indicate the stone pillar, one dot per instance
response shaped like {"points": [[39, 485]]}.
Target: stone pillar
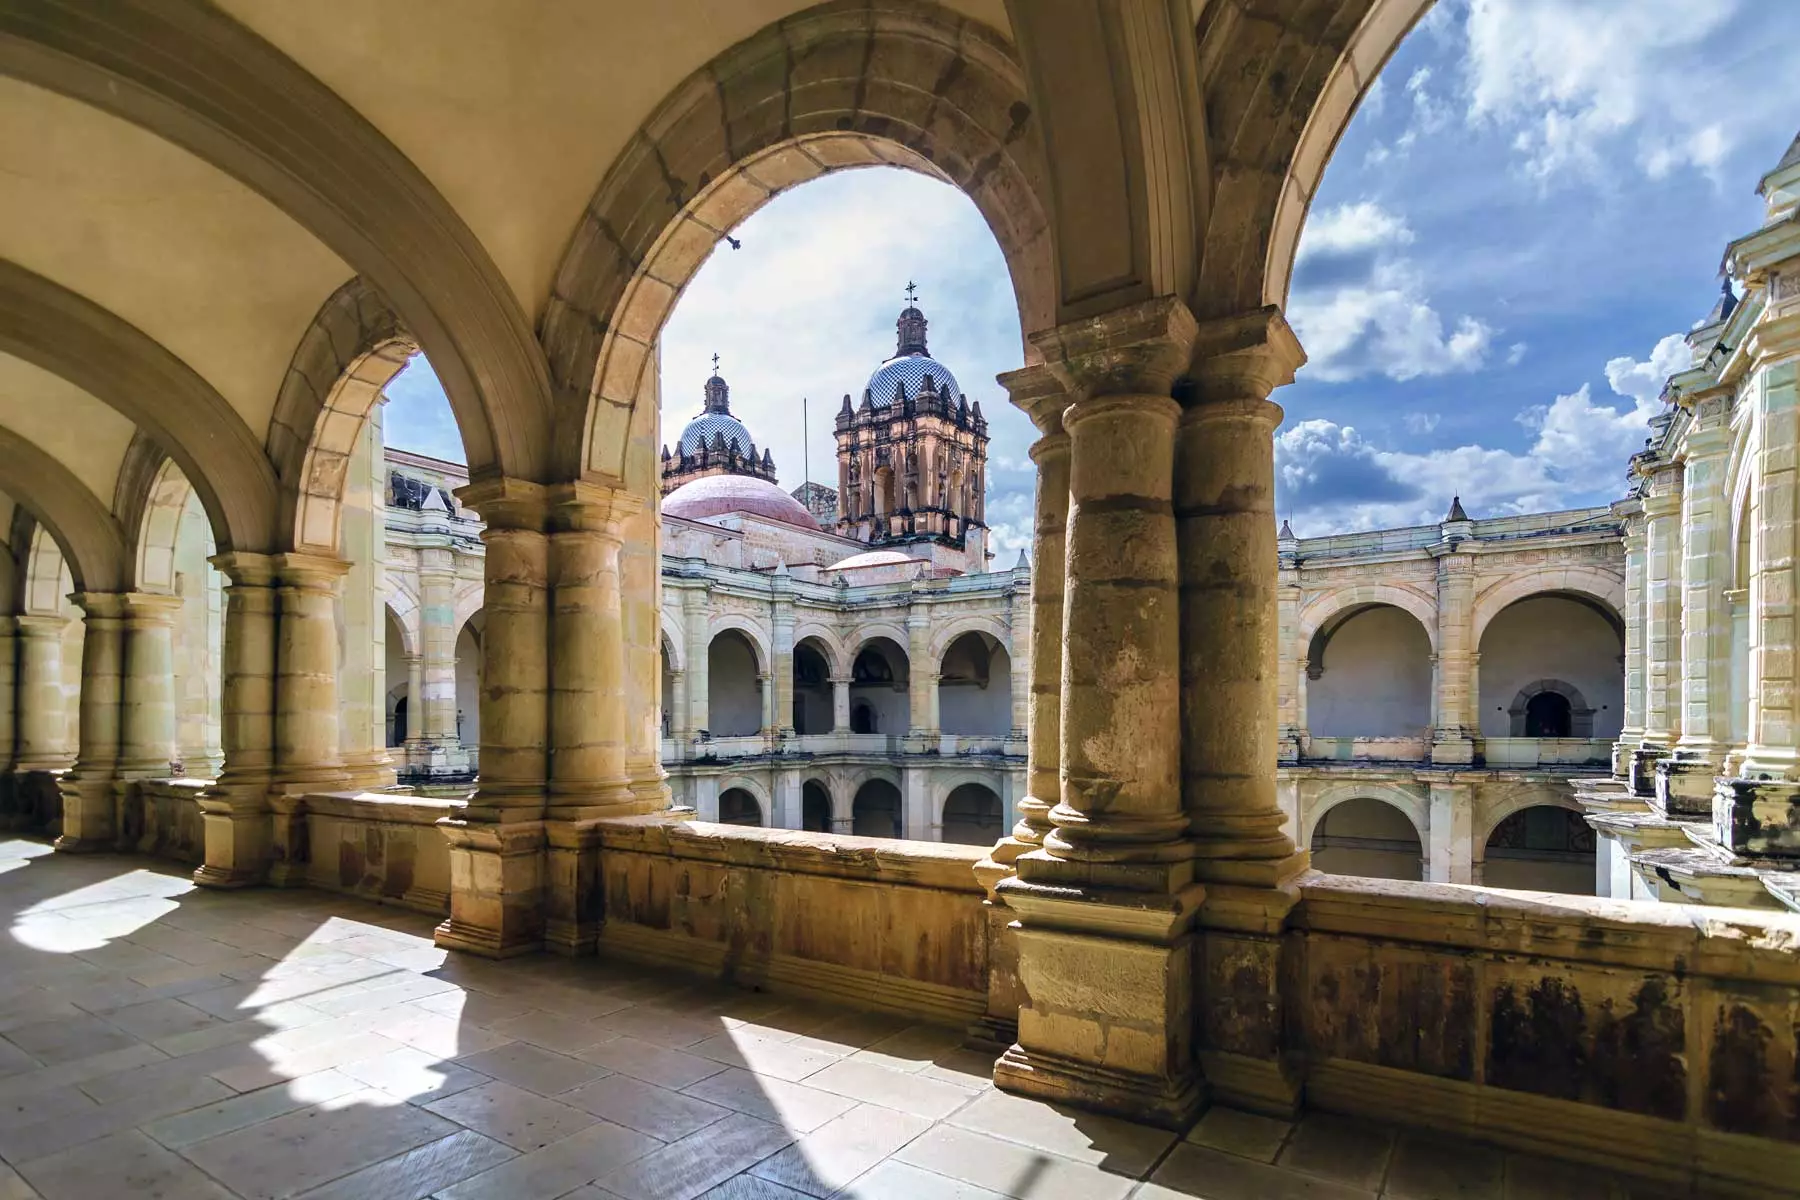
{"points": [[1038, 393], [1631, 731], [236, 808], [788, 804], [589, 735], [765, 700], [415, 708], [1450, 849], [919, 818], [9, 677], [435, 708], [1105, 908], [922, 673], [147, 720], [89, 819], [1456, 691], [678, 707], [840, 704], [699, 660], [1290, 690], [1774, 748], [1018, 658], [781, 622], [1662, 646], [42, 744], [1230, 625], [307, 748], [362, 733], [497, 842], [1684, 782], [640, 583]]}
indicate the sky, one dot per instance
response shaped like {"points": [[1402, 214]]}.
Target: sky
{"points": [[1520, 222]]}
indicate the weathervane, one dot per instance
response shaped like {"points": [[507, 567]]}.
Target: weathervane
{"points": [[912, 292]]}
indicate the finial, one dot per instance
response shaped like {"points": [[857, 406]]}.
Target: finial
{"points": [[1287, 531], [1456, 510], [912, 293], [715, 362]]}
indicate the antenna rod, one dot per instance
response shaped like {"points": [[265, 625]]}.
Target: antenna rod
{"points": [[805, 450]]}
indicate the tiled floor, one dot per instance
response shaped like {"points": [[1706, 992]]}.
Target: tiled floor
{"points": [[157, 1040]]}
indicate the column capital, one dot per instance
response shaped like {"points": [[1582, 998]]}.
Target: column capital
{"points": [[1136, 350], [589, 508], [151, 608], [245, 569], [1662, 504], [1243, 357], [1038, 393], [311, 572], [104, 606], [506, 503], [41, 625]]}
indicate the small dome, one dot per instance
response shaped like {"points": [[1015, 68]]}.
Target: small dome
{"points": [[909, 371], [873, 558], [703, 427], [721, 495]]}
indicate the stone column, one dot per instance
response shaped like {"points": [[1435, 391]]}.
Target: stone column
{"points": [[415, 708], [1456, 692], [1774, 748], [840, 703], [362, 741], [1018, 658], [1290, 691], [497, 842], [41, 740], [678, 707], [1684, 782], [89, 819], [1450, 853], [781, 623], [1662, 657], [589, 735], [236, 808], [640, 582], [1230, 626], [9, 676], [1105, 908], [699, 664], [922, 673], [1037, 392], [765, 700], [1631, 731], [435, 708], [147, 719], [307, 746]]}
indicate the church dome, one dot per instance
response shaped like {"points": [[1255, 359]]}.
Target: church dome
{"points": [[911, 364], [873, 558], [722, 495], [715, 420]]}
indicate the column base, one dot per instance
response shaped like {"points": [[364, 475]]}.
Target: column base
{"points": [[1642, 773], [1453, 752], [1684, 784], [1758, 818], [1257, 1085], [236, 824], [1167, 1103], [89, 813], [572, 888], [496, 887]]}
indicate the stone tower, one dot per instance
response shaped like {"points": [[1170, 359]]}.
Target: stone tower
{"points": [[714, 443]]}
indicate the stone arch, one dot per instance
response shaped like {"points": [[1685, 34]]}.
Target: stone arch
{"points": [[86, 532], [1554, 856], [1514, 801], [1415, 808], [351, 351], [406, 620], [1278, 94], [177, 412], [673, 644], [1581, 714], [829, 643], [47, 580], [810, 818], [970, 829], [156, 527], [759, 643], [862, 635], [1600, 588], [469, 601], [255, 114], [747, 784], [1324, 613], [835, 87], [871, 804], [995, 627]]}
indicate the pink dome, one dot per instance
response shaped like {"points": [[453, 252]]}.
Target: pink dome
{"points": [[721, 495], [873, 558]]}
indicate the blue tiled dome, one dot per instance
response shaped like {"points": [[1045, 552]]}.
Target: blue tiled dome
{"points": [[910, 370], [702, 428]]}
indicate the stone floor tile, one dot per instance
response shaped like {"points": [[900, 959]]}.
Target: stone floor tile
{"points": [[1196, 1173], [13, 1185], [420, 1171], [14, 1061], [558, 1168], [835, 1153], [241, 1112], [290, 1154], [1010, 1168], [739, 1187], [69, 1038], [283, 1067], [1529, 1177], [778, 1059], [154, 1019], [898, 1181], [1343, 1149], [125, 1165], [1246, 1135], [972, 1069], [474, 1008], [1119, 1146], [25, 1142], [698, 1162], [170, 1072], [35, 1007], [409, 1074], [650, 1062], [910, 1049], [520, 1119], [857, 1031], [79, 1070], [929, 1098], [1440, 1166], [563, 1034], [534, 1068], [59, 1103], [796, 1107], [645, 1107], [676, 1029]]}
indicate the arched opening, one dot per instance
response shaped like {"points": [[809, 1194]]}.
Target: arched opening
{"points": [[174, 548], [739, 807], [399, 681], [397, 722], [812, 689], [468, 685], [733, 689], [973, 815], [1369, 675], [666, 718], [1543, 848], [876, 810], [1562, 653], [975, 687], [1738, 665], [879, 678], [815, 807], [1368, 837]]}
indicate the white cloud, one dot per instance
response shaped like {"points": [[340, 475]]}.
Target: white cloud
{"points": [[1575, 81], [1350, 228], [1515, 354], [1420, 423], [1384, 325]]}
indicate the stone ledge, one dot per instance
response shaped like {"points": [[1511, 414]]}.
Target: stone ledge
{"points": [[940, 865], [382, 807]]}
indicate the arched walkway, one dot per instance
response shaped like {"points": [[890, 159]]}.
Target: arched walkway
{"points": [[813, 699], [1540, 848], [734, 689], [975, 687], [468, 684], [738, 807], [1369, 675], [815, 807], [973, 815], [876, 810], [1369, 837], [1545, 647], [879, 678]]}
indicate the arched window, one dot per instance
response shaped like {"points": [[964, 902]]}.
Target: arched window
{"points": [[876, 810], [815, 807], [972, 816], [1548, 715], [1368, 837], [739, 807], [862, 719]]}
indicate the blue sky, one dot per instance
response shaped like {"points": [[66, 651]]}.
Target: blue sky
{"points": [[1535, 199]]}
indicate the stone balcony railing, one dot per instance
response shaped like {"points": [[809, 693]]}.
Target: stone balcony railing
{"points": [[1547, 752], [1366, 749], [676, 751]]}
